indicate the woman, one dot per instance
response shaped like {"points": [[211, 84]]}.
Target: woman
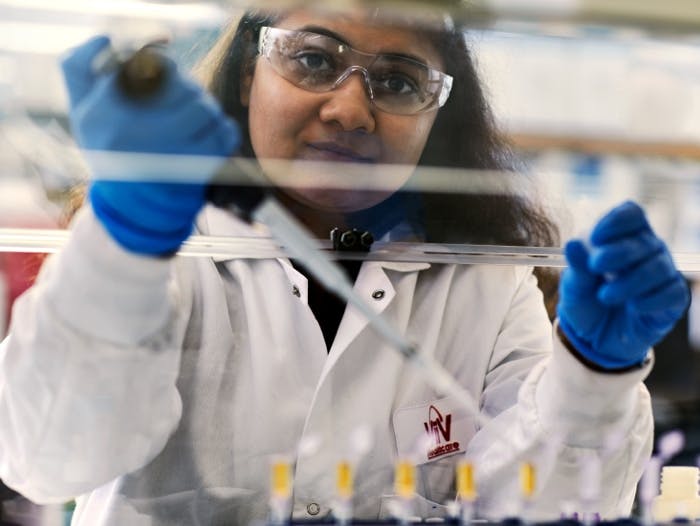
{"points": [[462, 136], [159, 388]]}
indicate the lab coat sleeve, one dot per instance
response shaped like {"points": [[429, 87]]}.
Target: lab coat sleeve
{"points": [[566, 417], [88, 370]]}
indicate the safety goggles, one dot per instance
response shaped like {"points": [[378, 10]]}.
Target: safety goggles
{"points": [[321, 63]]}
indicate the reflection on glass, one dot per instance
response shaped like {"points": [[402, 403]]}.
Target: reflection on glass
{"points": [[160, 390]]}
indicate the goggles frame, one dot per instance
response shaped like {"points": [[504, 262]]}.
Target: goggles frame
{"points": [[269, 35]]}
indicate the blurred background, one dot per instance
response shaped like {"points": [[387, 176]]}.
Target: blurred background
{"points": [[600, 99]]}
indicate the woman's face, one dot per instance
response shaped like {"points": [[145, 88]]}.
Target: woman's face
{"points": [[293, 124]]}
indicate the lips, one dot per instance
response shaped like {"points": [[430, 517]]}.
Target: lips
{"points": [[333, 151]]}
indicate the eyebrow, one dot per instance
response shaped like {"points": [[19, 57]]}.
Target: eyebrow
{"points": [[327, 32]]}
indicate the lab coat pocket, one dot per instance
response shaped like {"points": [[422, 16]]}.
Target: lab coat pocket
{"points": [[434, 435]]}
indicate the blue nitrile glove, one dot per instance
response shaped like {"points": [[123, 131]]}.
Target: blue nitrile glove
{"points": [[622, 294], [151, 218]]}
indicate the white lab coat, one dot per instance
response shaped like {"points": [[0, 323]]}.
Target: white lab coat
{"points": [[159, 390]]}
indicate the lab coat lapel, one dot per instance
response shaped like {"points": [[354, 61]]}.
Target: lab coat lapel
{"points": [[374, 286], [299, 283], [294, 337], [324, 422]]}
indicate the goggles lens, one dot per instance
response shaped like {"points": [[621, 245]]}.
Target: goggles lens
{"points": [[320, 63]]}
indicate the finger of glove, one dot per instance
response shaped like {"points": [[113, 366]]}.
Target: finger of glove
{"points": [[652, 328], [639, 280], [77, 67], [106, 108], [625, 252], [201, 127], [184, 121], [671, 298], [219, 135], [188, 128], [138, 238], [150, 206], [577, 280], [624, 220], [166, 204]]}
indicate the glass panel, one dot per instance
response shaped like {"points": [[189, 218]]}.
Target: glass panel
{"points": [[228, 385]]}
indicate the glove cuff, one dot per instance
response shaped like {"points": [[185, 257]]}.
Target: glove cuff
{"points": [[589, 357]]}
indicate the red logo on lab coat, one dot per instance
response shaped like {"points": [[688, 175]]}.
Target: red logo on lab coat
{"points": [[439, 429]]}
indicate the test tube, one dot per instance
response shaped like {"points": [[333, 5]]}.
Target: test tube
{"points": [[590, 485], [648, 489], [669, 445], [466, 491], [405, 489], [280, 491], [528, 487], [344, 492]]}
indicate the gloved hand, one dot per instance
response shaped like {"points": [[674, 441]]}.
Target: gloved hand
{"points": [[151, 218], [623, 293]]}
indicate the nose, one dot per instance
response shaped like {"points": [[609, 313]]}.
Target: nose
{"points": [[349, 104]]}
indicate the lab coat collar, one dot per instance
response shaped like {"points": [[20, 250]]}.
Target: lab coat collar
{"points": [[376, 287], [372, 279], [214, 221]]}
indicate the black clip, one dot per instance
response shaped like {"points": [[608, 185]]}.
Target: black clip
{"points": [[351, 240]]}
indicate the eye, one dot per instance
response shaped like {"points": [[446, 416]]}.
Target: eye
{"points": [[398, 84], [313, 60]]}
